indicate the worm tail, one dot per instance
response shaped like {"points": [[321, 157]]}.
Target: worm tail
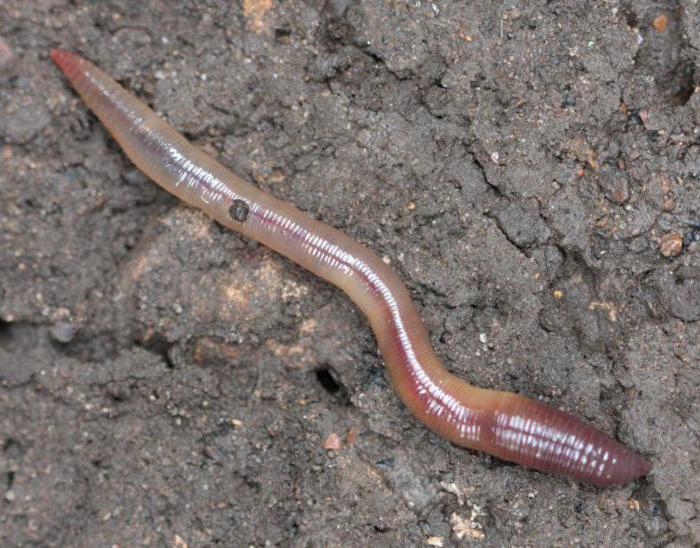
{"points": [[538, 436]]}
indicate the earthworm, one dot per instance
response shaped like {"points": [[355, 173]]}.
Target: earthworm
{"points": [[504, 424]]}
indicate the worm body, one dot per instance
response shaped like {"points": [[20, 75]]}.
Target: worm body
{"points": [[504, 424]]}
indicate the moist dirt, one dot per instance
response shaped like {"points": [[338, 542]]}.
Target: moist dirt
{"points": [[531, 169]]}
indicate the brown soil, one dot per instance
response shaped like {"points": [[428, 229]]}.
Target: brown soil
{"points": [[166, 382]]}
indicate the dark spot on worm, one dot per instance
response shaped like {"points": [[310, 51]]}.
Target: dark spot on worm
{"points": [[239, 210]]}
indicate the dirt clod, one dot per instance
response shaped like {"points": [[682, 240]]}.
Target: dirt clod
{"points": [[671, 244]]}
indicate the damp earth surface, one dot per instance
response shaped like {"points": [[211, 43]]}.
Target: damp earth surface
{"points": [[531, 169]]}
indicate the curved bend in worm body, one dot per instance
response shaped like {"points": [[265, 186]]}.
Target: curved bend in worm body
{"points": [[507, 425]]}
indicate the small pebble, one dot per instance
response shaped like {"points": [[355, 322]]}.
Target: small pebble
{"points": [[63, 332], [332, 442], [7, 56], [660, 23], [671, 244]]}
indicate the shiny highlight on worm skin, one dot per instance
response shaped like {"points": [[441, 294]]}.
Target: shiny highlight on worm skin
{"points": [[504, 424]]}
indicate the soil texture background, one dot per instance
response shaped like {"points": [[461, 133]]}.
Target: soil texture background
{"points": [[531, 169]]}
